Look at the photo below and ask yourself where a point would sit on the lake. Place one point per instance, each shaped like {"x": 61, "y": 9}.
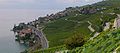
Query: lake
{"x": 7, "y": 20}
{"x": 16, "y": 11}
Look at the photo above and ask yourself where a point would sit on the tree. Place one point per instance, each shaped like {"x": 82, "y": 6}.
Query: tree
{"x": 75, "y": 41}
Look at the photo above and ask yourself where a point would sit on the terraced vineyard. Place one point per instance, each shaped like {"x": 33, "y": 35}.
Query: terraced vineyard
{"x": 51, "y": 50}
{"x": 61, "y": 29}
{"x": 106, "y": 42}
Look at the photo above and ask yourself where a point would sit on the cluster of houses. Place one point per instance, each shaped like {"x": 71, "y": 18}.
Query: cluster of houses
{"x": 24, "y": 34}
{"x": 68, "y": 11}
{"x": 52, "y": 17}
{"x": 23, "y": 30}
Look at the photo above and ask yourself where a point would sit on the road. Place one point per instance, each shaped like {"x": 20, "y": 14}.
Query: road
{"x": 118, "y": 21}
{"x": 75, "y": 21}
{"x": 90, "y": 27}
{"x": 39, "y": 33}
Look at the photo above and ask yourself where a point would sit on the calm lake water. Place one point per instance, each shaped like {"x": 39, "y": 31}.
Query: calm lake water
{"x": 10, "y": 17}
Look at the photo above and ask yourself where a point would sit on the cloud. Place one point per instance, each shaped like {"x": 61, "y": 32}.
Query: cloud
{"x": 75, "y": 1}
{"x": 42, "y": 4}
{"x": 87, "y": 0}
{"x": 68, "y": 1}
{"x": 14, "y": 1}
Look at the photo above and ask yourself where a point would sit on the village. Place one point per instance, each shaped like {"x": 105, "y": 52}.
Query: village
{"x": 26, "y": 35}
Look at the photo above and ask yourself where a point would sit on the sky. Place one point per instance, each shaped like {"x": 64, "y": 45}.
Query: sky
{"x": 28, "y": 10}
{"x": 42, "y": 4}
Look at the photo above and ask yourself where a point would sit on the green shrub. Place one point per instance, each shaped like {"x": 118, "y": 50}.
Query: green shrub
{"x": 75, "y": 41}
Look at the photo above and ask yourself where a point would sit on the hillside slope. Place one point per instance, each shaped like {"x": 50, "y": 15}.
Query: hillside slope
{"x": 106, "y": 42}
{"x": 87, "y": 20}
{"x": 58, "y": 30}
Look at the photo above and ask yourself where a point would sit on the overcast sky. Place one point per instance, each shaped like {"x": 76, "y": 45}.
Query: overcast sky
{"x": 42, "y": 4}
{"x": 26, "y": 10}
